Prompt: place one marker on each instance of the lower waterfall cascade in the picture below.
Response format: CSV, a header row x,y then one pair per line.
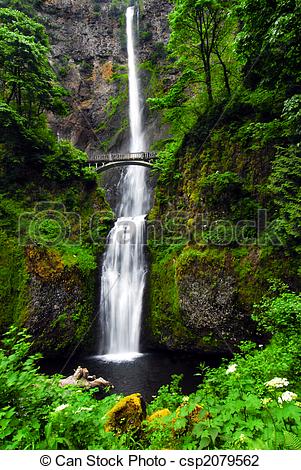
x,y
124,266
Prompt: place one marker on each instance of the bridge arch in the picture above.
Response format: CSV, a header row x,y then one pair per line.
x,y
103,162
101,167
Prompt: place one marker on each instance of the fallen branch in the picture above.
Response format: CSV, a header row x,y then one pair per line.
x,y
81,378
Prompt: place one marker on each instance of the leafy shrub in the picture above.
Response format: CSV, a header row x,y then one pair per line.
x,y
284,185
37,414
282,313
220,188
169,396
79,256
64,163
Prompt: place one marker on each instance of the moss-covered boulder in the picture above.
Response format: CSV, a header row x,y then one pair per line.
x,y
127,415
202,296
158,415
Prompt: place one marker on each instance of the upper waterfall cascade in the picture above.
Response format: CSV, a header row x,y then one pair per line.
x,y
124,267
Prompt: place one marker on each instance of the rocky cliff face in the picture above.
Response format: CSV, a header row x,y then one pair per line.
x,y
61,281
61,304
88,41
89,54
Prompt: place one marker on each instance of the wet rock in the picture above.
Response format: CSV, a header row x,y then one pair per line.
x,y
88,42
60,304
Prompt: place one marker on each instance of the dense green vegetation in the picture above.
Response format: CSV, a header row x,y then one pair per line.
x,y
48,194
228,200
251,403
229,174
233,109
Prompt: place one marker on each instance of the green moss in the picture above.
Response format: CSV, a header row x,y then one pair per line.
x,y
68,266
166,322
13,282
251,267
197,257
116,119
127,415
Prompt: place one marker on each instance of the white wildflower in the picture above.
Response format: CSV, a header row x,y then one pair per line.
x,y
277,382
232,368
84,408
242,437
185,399
61,408
287,396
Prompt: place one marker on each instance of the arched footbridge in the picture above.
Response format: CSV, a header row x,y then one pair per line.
x,y
105,161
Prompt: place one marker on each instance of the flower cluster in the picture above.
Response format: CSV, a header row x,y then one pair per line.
x,y
287,396
61,408
83,408
232,368
277,382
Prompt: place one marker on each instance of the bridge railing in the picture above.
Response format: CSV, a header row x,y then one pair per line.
x,y
118,157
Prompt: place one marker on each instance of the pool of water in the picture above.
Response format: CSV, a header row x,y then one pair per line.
x,y
143,373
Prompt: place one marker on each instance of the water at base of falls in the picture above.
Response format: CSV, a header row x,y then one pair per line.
x,y
124,267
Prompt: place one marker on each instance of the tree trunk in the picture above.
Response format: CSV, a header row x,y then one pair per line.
x,y
208,81
225,72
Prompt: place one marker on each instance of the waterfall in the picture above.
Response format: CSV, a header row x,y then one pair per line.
x,y
124,266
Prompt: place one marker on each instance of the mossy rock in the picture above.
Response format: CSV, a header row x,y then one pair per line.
x,y
45,263
158,415
127,415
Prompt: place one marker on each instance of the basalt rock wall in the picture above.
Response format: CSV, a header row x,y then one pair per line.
x,y
88,39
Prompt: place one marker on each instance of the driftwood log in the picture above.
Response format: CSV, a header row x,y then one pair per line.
x,y
82,378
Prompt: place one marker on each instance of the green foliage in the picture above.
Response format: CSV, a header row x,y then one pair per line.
x,y
12,124
65,162
28,83
175,95
235,407
284,184
282,313
28,87
220,188
269,37
26,6
166,162
257,135
80,256
243,405
199,36
169,396
37,414
13,282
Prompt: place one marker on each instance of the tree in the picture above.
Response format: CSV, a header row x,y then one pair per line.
x,y
27,81
199,29
27,6
269,43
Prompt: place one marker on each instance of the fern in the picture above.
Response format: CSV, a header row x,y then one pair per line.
x,y
291,441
